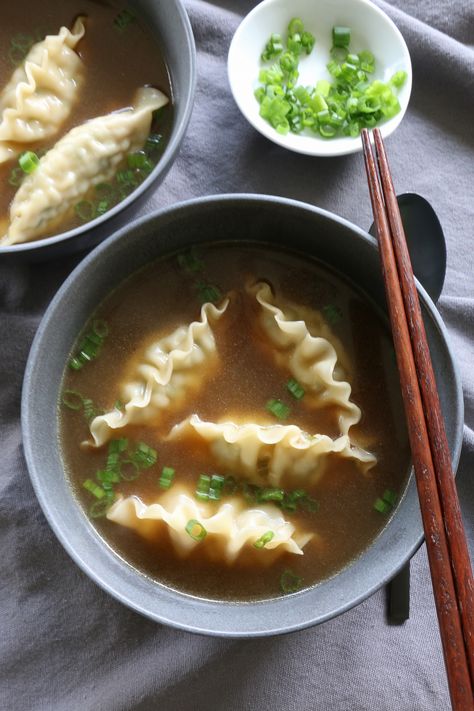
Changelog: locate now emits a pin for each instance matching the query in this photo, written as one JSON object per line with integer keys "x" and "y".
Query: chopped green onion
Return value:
{"x": 288, "y": 107}
{"x": 381, "y": 506}
{"x": 202, "y": 490}
{"x": 153, "y": 142}
{"x": 105, "y": 191}
{"x": 89, "y": 409}
{"x": 295, "y": 388}
{"x": 118, "y": 445}
{"x": 289, "y": 582}
{"x": 99, "y": 508}
{"x": 72, "y": 399}
{"x": 129, "y": 470}
{"x": 100, "y": 328}
{"x": 94, "y": 488}
{"x": 190, "y": 261}
{"x": 28, "y": 161}
{"x": 390, "y": 497}
{"x": 295, "y": 26}
{"x": 123, "y": 19}
{"x": 196, "y": 530}
{"x": 107, "y": 476}
{"x": 102, "y": 207}
{"x": 398, "y": 79}
{"x": 127, "y": 178}
{"x": 90, "y": 346}
{"x": 273, "y": 48}
{"x": 263, "y": 540}
{"x": 271, "y": 495}
{"x": 144, "y": 456}
{"x": 338, "y": 54}
{"x": 85, "y": 210}
{"x": 215, "y": 487}
{"x": 16, "y": 176}
{"x": 119, "y": 405}
{"x": 208, "y": 293}
{"x": 341, "y": 36}
{"x": 166, "y": 478}
{"x": 230, "y": 485}
{"x": 278, "y": 409}
{"x": 332, "y": 313}
{"x": 250, "y": 492}
{"x": 137, "y": 159}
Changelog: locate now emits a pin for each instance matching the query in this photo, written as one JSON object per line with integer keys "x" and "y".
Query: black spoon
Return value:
{"x": 426, "y": 242}
{"x": 427, "y": 247}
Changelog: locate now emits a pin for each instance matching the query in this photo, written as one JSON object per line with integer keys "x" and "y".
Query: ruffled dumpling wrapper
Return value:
{"x": 231, "y": 529}
{"x": 86, "y": 156}
{"x": 168, "y": 371}
{"x": 41, "y": 91}
{"x": 265, "y": 455}
{"x": 305, "y": 345}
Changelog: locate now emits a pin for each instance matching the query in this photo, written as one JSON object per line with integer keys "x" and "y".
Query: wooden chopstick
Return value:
{"x": 457, "y": 543}
{"x": 452, "y": 625}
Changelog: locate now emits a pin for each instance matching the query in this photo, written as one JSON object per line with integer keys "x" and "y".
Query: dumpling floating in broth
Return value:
{"x": 306, "y": 346}
{"x": 168, "y": 370}
{"x": 41, "y": 92}
{"x": 267, "y": 454}
{"x": 225, "y": 533}
{"x": 86, "y": 156}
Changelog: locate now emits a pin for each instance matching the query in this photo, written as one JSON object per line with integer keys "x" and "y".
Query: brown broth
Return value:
{"x": 159, "y": 298}
{"x": 116, "y": 64}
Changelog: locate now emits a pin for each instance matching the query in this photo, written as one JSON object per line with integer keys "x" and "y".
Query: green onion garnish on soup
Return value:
{"x": 129, "y": 470}
{"x": 166, "y": 478}
{"x": 386, "y": 502}
{"x": 278, "y": 409}
{"x": 28, "y": 161}
{"x": 289, "y": 582}
{"x": 94, "y": 488}
{"x": 295, "y": 389}
{"x": 196, "y": 530}
{"x": 263, "y": 540}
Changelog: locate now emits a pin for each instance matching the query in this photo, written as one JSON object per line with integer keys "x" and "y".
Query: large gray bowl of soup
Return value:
{"x": 95, "y": 98}
{"x": 212, "y": 418}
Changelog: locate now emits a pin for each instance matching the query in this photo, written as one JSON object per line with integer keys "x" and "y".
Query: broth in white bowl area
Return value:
{"x": 371, "y": 29}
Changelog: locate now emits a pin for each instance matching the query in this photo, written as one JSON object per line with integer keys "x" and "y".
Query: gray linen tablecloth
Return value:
{"x": 64, "y": 643}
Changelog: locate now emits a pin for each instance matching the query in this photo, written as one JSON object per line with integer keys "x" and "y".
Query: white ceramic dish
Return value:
{"x": 371, "y": 29}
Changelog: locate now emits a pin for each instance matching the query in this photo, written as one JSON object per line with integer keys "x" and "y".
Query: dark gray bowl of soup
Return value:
{"x": 122, "y": 50}
{"x": 229, "y": 523}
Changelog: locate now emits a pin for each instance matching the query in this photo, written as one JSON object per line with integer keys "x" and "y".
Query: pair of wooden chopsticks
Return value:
{"x": 448, "y": 553}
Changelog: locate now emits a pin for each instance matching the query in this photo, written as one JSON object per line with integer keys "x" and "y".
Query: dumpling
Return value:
{"x": 41, "y": 92}
{"x": 229, "y": 530}
{"x": 305, "y": 345}
{"x": 266, "y": 454}
{"x": 89, "y": 154}
{"x": 168, "y": 370}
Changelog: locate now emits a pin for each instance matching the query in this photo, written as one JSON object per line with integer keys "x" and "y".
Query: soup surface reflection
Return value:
{"x": 329, "y": 506}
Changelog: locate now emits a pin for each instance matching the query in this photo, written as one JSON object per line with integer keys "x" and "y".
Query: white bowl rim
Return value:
{"x": 322, "y": 148}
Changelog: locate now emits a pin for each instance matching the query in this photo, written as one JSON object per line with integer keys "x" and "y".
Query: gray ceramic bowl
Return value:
{"x": 307, "y": 229}
{"x": 169, "y": 24}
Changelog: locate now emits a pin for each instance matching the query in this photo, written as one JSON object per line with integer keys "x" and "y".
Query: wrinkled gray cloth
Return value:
{"x": 64, "y": 643}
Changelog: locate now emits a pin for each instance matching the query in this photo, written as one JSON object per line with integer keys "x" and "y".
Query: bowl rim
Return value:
{"x": 46, "y": 499}
{"x": 161, "y": 168}
{"x": 322, "y": 148}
